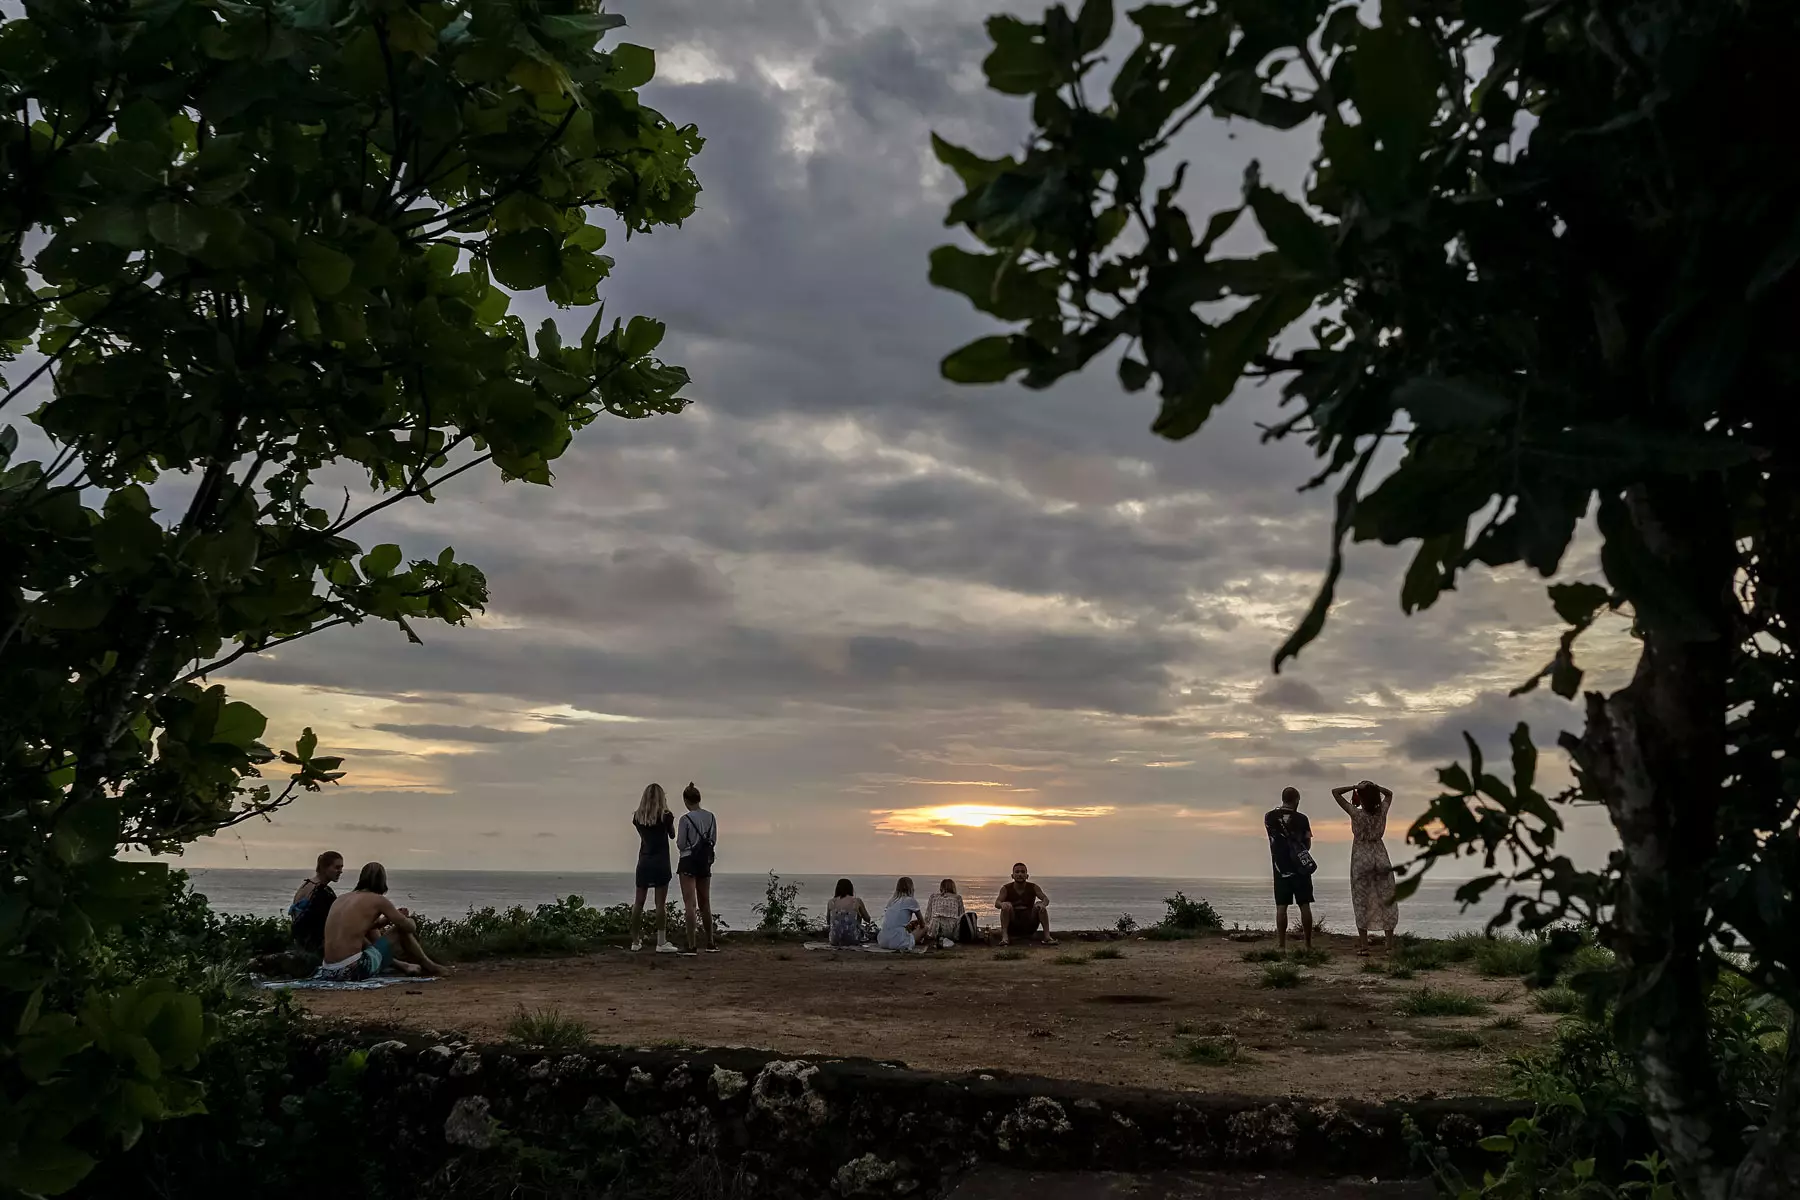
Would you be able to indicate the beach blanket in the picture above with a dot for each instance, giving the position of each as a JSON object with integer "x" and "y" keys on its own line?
{"x": 866, "y": 948}
{"x": 315, "y": 984}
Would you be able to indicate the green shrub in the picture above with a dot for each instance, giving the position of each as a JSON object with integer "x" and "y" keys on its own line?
{"x": 1558, "y": 999}
{"x": 1221, "y": 1050}
{"x": 566, "y": 926}
{"x": 1442, "y": 1002}
{"x": 1515, "y": 957}
{"x": 1126, "y": 923}
{"x": 1508, "y": 1022}
{"x": 780, "y": 911}
{"x": 547, "y": 1029}
{"x": 1194, "y": 916}
{"x": 1281, "y": 975}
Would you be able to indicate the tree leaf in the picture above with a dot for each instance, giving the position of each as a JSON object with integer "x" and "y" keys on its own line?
{"x": 1439, "y": 404}
{"x": 326, "y": 270}
{"x": 177, "y": 226}
{"x": 632, "y": 67}
{"x": 1578, "y": 603}
{"x": 1314, "y": 620}
{"x": 1303, "y": 241}
{"x": 984, "y": 360}
{"x": 239, "y": 725}
{"x": 525, "y": 259}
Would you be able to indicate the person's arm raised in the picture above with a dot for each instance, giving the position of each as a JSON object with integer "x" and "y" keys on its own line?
{"x": 1338, "y": 794}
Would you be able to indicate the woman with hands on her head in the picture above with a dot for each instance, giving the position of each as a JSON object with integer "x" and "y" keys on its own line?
{"x": 1371, "y": 872}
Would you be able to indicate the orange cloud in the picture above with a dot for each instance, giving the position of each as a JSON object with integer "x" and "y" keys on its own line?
{"x": 932, "y": 820}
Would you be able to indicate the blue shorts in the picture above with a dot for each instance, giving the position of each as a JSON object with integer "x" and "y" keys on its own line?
{"x": 371, "y": 962}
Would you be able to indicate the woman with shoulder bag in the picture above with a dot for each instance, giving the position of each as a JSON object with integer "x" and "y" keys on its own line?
{"x": 697, "y": 844}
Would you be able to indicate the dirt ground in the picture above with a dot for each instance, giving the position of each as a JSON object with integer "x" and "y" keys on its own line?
{"x": 1121, "y": 1021}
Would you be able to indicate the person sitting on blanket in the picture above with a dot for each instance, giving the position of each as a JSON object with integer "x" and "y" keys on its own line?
{"x": 945, "y": 918}
{"x": 313, "y": 901}
{"x": 901, "y": 926}
{"x": 845, "y": 916}
{"x": 366, "y": 935}
{"x": 1024, "y": 908}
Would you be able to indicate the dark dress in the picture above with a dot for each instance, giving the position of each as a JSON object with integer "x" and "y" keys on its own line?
{"x": 653, "y": 852}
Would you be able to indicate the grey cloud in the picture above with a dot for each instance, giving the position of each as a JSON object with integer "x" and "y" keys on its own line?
{"x": 1300, "y": 768}
{"x": 454, "y": 733}
{"x": 1288, "y": 694}
{"x": 1490, "y": 719}
{"x": 349, "y": 827}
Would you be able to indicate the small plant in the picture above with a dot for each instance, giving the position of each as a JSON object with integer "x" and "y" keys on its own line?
{"x": 1070, "y": 960}
{"x": 1266, "y": 954}
{"x": 1108, "y": 952}
{"x": 1558, "y": 999}
{"x": 780, "y": 911}
{"x": 1126, "y": 923}
{"x": 1442, "y": 1002}
{"x": 1219, "y": 1051}
{"x": 1313, "y": 1025}
{"x": 1308, "y": 957}
{"x": 1508, "y": 956}
{"x": 546, "y": 1029}
{"x": 1191, "y": 915}
{"x": 1455, "y": 1039}
{"x": 1008, "y": 955}
{"x": 1508, "y": 1022}
{"x": 1281, "y": 975}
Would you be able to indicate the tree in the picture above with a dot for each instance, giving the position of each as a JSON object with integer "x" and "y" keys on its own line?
{"x": 253, "y": 248}
{"x": 1550, "y": 250}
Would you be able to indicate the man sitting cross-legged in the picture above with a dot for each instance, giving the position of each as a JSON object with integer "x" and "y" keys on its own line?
{"x": 1024, "y": 908}
{"x": 366, "y": 935}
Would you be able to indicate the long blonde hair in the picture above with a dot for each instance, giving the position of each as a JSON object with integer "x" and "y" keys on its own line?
{"x": 902, "y": 887}
{"x": 653, "y": 807}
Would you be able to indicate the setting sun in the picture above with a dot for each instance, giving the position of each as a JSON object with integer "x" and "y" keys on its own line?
{"x": 932, "y": 819}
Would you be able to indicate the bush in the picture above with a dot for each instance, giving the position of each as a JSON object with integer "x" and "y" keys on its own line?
{"x": 779, "y": 911}
{"x": 1126, "y": 923}
{"x": 547, "y": 1029}
{"x": 566, "y": 926}
{"x": 1558, "y": 999}
{"x": 1442, "y": 1002}
{"x": 1191, "y": 916}
{"x": 1514, "y": 957}
{"x": 1281, "y": 975}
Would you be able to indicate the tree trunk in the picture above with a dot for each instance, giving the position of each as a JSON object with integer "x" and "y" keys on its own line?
{"x": 1655, "y": 753}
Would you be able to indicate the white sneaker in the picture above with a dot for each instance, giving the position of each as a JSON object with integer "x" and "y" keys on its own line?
{"x": 667, "y": 948}
{"x": 637, "y": 945}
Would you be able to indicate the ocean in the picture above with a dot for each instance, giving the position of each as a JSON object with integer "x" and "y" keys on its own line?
{"x": 1076, "y": 902}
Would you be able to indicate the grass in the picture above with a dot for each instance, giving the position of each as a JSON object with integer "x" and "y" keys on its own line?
{"x": 546, "y": 1029}
{"x": 1008, "y": 955}
{"x": 1558, "y": 999}
{"x": 1455, "y": 1039}
{"x": 1306, "y": 958}
{"x": 1221, "y": 1051}
{"x": 1108, "y": 953}
{"x": 1393, "y": 970}
{"x": 1442, "y": 1002}
{"x": 1281, "y": 975}
{"x": 1514, "y": 956}
{"x": 1313, "y": 1025}
{"x": 1508, "y": 1022}
{"x": 1071, "y": 960}
{"x": 1310, "y": 958}
{"x": 1267, "y": 954}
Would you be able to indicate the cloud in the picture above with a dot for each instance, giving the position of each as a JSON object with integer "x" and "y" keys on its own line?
{"x": 454, "y": 733}
{"x": 1299, "y": 768}
{"x": 349, "y": 827}
{"x": 1291, "y": 695}
{"x": 939, "y": 820}
{"x": 1491, "y": 718}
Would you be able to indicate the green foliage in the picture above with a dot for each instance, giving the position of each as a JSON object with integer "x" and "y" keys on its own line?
{"x": 1190, "y": 916}
{"x": 1008, "y": 955}
{"x": 1126, "y": 923}
{"x": 1281, "y": 975}
{"x": 1070, "y": 960}
{"x": 1442, "y": 1002}
{"x": 566, "y": 926}
{"x": 1525, "y": 279}
{"x": 1309, "y": 958}
{"x": 1107, "y": 954}
{"x": 1557, "y": 999}
{"x": 1220, "y": 1050}
{"x": 253, "y": 251}
{"x": 780, "y": 911}
{"x": 547, "y": 1029}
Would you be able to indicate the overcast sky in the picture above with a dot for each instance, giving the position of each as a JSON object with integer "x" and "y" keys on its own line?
{"x": 856, "y": 604}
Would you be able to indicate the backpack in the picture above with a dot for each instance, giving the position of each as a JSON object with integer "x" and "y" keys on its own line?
{"x": 704, "y": 851}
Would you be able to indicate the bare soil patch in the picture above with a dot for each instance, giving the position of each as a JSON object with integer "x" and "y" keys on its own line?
{"x": 1338, "y": 1033}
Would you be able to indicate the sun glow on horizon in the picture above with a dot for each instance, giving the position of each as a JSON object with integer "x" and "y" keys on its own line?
{"x": 933, "y": 819}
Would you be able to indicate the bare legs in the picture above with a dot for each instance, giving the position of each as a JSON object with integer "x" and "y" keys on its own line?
{"x": 1040, "y": 922}
{"x": 1306, "y": 924}
{"x": 697, "y": 894}
{"x": 409, "y": 951}
{"x": 1281, "y": 925}
{"x": 662, "y": 916}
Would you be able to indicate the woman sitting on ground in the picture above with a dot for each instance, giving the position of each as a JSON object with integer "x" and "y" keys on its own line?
{"x": 945, "y": 917}
{"x": 845, "y": 916}
{"x": 901, "y": 926}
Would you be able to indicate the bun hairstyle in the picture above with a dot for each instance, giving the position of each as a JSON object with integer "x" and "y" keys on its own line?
{"x": 1368, "y": 796}
{"x": 691, "y": 794}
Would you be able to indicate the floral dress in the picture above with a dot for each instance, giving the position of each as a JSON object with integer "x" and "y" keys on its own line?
{"x": 1371, "y": 872}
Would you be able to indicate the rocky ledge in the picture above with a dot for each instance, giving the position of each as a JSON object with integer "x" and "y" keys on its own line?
{"x": 788, "y": 1127}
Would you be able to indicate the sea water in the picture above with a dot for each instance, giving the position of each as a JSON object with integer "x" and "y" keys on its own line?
{"x": 1076, "y": 902}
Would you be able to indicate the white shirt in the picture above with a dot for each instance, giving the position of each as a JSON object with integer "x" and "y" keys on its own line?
{"x": 697, "y": 825}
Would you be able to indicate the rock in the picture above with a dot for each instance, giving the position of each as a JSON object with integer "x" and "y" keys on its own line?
{"x": 871, "y": 1176}
{"x": 1039, "y": 1119}
{"x": 638, "y": 1080}
{"x": 469, "y": 1124}
{"x": 783, "y": 1095}
{"x": 466, "y": 1065}
{"x": 538, "y": 1070}
{"x": 388, "y": 1047}
{"x": 726, "y": 1084}
{"x": 1262, "y": 1134}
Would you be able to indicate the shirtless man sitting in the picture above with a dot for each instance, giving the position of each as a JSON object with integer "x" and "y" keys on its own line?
{"x": 1024, "y": 909}
{"x": 366, "y": 935}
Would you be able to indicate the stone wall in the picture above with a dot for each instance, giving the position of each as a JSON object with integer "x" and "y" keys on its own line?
{"x": 789, "y": 1127}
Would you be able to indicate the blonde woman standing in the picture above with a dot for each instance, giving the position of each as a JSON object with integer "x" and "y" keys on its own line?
{"x": 655, "y": 826}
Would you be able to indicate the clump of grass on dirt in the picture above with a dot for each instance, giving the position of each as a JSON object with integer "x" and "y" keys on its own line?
{"x": 1508, "y": 1022}
{"x": 1393, "y": 970}
{"x": 1455, "y": 1039}
{"x": 1266, "y": 954}
{"x": 1108, "y": 953}
{"x": 546, "y": 1029}
{"x": 1071, "y": 960}
{"x": 1514, "y": 956}
{"x": 1310, "y": 957}
{"x": 1281, "y": 975}
{"x": 1220, "y": 1051}
{"x": 1313, "y": 1025}
{"x": 1442, "y": 1002}
{"x": 1558, "y": 999}
{"x": 1008, "y": 955}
